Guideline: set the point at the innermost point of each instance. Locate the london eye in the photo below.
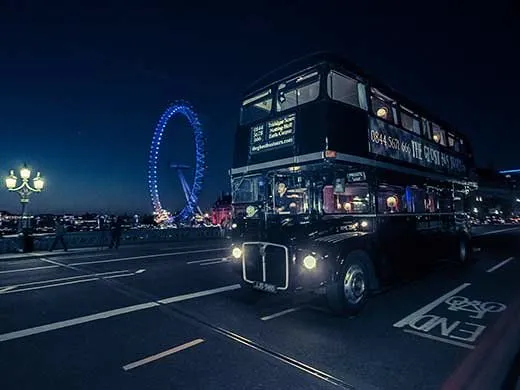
(191, 191)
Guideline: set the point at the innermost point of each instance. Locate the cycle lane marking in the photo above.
(462, 328)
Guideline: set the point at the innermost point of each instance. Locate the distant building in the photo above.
(221, 211)
(498, 194)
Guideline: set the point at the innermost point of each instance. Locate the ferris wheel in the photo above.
(191, 192)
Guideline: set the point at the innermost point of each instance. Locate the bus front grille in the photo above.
(266, 262)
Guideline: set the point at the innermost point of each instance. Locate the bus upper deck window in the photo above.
(298, 91)
(438, 134)
(346, 90)
(256, 107)
(381, 106)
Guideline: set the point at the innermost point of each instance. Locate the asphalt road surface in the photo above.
(173, 316)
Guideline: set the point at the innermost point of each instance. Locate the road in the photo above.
(173, 316)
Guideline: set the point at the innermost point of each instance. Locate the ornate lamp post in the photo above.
(24, 189)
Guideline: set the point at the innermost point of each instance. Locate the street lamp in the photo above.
(24, 189)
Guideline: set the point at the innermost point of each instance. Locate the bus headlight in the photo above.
(364, 224)
(236, 252)
(309, 262)
(233, 225)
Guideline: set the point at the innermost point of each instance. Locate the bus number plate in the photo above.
(264, 287)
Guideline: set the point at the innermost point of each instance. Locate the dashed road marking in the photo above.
(501, 264)
(279, 314)
(110, 313)
(158, 356)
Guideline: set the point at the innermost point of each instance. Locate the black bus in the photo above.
(339, 184)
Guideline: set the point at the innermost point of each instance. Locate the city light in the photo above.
(24, 189)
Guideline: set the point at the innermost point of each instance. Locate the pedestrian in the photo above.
(115, 232)
(59, 235)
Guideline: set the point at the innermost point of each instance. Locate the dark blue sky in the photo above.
(82, 89)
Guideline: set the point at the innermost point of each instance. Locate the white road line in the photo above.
(89, 278)
(437, 338)
(199, 294)
(501, 264)
(118, 276)
(222, 261)
(50, 285)
(425, 309)
(110, 313)
(158, 356)
(68, 278)
(29, 269)
(5, 289)
(146, 256)
(78, 257)
(203, 260)
(497, 231)
(279, 314)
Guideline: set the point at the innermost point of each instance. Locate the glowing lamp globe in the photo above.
(38, 182)
(25, 173)
(10, 181)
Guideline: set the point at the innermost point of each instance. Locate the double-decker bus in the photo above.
(339, 184)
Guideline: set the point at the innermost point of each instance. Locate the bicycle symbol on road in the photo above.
(479, 308)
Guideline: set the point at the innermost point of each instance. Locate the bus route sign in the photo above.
(387, 140)
(273, 134)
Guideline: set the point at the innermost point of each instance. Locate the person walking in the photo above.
(115, 233)
(59, 235)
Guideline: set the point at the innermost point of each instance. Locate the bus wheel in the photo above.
(348, 295)
(463, 254)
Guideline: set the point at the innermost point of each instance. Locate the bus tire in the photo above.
(349, 293)
(463, 255)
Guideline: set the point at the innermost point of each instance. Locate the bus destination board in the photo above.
(273, 134)
(387, 140)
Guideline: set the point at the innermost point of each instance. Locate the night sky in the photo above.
(82, 89)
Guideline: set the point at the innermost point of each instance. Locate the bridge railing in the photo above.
(42, 242)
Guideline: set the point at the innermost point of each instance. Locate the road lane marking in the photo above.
(279, 314)
(425, 309)
(146, 256)
(221, 261)
(7, 288)
(158, 356)
(29, 269)
(67, 278)
(72, 256)
(501, 264)
(51, 285)
(497, 231)
(203, 260)
(70, 280)
(110, 313)
(199, 294)
(437, 338)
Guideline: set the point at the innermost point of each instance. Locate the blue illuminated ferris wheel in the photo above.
(191, 192)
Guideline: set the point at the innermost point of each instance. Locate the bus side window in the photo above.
(426, 129)
(355, 199)
(346, 90)
(391, 199)
(438, 135)
(431, 201)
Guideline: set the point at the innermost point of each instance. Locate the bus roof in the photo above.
(340, 63)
